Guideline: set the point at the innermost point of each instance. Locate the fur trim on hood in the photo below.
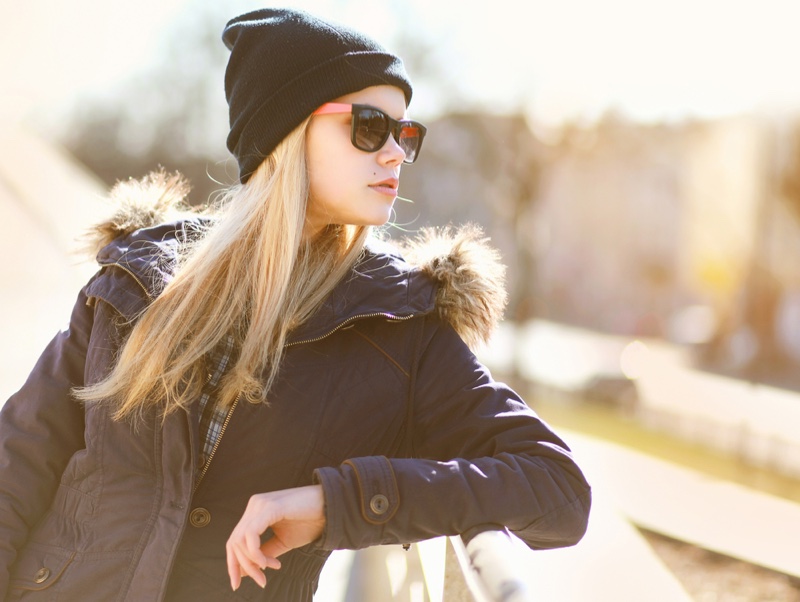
(471, 293)
(156, 198)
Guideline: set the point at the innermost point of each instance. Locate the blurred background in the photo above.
(637, 164)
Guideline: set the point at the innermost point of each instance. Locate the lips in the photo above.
(387, 188)
(387, 184)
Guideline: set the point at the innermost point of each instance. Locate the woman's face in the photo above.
(348, 185)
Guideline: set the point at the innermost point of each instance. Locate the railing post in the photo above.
(492, 563)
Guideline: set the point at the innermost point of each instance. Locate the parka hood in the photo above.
(471, 292)
(158, 197)
(453, 271)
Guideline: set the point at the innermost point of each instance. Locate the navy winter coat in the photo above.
(379, 400)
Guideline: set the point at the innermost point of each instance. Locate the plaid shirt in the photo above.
(213, 417)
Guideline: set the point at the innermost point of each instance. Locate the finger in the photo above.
(271, 562)
(254, 552)
(252, 547)
(272, 548)
(234, 571)
(239, 565)
(249, 568)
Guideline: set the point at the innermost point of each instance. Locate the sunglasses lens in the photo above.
(410, 140)
(370, 129)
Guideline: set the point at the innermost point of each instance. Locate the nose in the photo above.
(391, 153)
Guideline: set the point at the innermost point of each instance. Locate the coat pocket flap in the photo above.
(38, 569)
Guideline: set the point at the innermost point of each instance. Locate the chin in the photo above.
(382, 221)
(373, 220)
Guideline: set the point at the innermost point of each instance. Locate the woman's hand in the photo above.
(296, 516)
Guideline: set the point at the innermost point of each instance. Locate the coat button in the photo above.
(199, 517)
(41, 575)
(379, 504)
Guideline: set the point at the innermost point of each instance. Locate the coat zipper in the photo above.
(131, 274)
(348, 321)
(292, 344)
(216, 443)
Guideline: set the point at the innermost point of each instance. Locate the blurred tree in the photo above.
(789, 167)
(172, 115)
(485, 169)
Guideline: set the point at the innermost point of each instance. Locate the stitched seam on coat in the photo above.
(393, 478)
(546, 520)
(360, 488)
(379, 348)
(147, 533)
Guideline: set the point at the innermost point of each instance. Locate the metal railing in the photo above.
(490, 567)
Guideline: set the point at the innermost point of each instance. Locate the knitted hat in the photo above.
(284, 64)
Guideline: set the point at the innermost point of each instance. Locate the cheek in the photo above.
(326, 181)
(335, 175)
(315, 180)
(325, 169)
(336, 169)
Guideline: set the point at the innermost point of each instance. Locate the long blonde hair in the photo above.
(253, 276)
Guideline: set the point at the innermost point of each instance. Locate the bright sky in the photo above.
(652, 59)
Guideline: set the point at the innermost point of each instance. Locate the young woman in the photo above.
(238, 394)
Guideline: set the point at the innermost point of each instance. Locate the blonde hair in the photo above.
(252, 276)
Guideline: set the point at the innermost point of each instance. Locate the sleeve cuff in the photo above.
(367, 483)
(377, 487)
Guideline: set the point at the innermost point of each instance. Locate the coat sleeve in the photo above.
(483, 457)
(41, 427)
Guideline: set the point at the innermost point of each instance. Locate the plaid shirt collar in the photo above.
(213, 417)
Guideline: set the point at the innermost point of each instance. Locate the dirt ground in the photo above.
(710, 577)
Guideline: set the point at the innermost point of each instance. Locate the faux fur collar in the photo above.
(471, 292)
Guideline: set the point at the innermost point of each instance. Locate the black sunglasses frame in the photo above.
(364, 138)
(394, 128)
(360, 117)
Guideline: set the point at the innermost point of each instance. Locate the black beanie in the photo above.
(286, 63)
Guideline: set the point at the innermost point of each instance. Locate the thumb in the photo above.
(274, 547)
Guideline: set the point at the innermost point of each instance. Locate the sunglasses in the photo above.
(370, 129)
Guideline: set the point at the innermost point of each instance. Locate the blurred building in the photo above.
(683, 230)
(609, 218)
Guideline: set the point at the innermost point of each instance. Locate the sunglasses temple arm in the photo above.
(331, 108)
